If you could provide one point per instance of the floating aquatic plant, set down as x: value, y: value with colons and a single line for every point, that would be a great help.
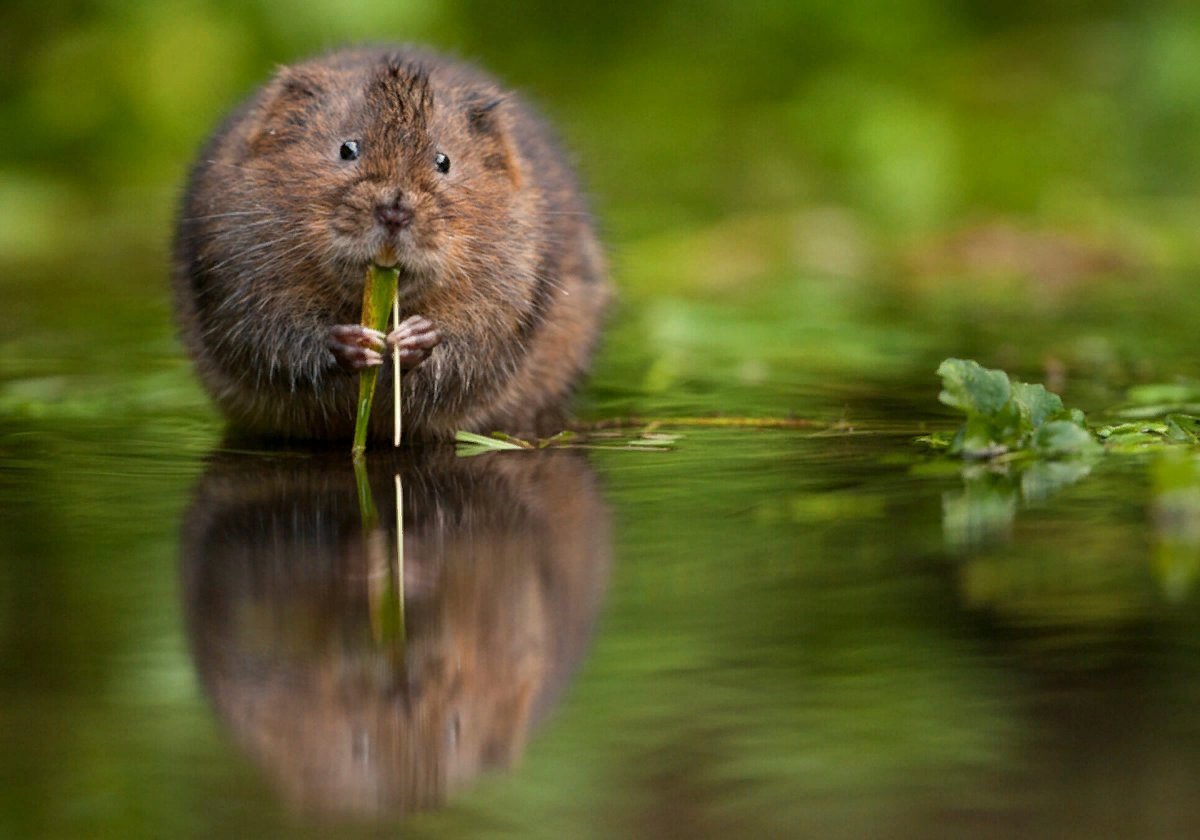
x: 1005, y: 417
x: 1008, y: 419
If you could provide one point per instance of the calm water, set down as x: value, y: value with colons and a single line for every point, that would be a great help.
x: 760, y: 633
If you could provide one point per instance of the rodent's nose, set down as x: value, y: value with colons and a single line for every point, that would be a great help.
x: 395, y: 216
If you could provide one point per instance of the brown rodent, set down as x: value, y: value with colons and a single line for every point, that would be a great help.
x: 393, y: 156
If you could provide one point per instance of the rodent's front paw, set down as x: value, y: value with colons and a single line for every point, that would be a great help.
x: 356, y: 347
x: 415, y: 337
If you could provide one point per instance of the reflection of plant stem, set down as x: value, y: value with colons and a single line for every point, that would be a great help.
x: 369, y: 516
x: 366, y: 504
x: 385, y: 579
x: 396, y: 387
x: 401, y: 631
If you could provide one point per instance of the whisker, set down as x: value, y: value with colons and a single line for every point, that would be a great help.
x: 252, y: 249
x: 256, y: 212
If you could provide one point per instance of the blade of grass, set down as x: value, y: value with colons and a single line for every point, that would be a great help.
x: 484, y: 441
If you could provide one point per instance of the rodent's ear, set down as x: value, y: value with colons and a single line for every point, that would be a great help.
x: 485, y: 118
x: 287, y: 105
x: 481, y: 114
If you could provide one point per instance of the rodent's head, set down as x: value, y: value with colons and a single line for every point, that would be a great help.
x: 385, y: 158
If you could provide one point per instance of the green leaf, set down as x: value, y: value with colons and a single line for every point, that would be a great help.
x: 1035, y: 404
x: 972, y: 388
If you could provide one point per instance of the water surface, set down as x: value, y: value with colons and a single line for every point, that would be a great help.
x: 762, y: 632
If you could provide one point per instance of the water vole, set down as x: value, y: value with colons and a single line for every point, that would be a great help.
x: 401, y: 157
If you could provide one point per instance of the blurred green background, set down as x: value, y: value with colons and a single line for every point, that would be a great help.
x: 800, y: 193
x: 912, y: 116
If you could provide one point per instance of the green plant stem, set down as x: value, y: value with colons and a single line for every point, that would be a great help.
x: 379, y: 292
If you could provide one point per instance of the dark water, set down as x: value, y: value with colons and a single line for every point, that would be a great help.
x: 760, y: 633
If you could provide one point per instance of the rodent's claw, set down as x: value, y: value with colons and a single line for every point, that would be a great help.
x: 355, y: 347
x: 358, y: 336
x: 415, y: 338
x: 410, y: 325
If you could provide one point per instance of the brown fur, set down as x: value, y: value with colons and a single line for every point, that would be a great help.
x: 276, y: 233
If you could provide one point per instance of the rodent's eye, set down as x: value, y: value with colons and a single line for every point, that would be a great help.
x: 349, y: 150
x: 442, y: 163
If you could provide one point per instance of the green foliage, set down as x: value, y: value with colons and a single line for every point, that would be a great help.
x: 1148, y: 435
x: 1016, y: 419
x: 911, y: 113
x: 1005, y: 416
x: 1035, y: 448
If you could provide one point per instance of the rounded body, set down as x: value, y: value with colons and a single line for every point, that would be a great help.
x: 400, y: 157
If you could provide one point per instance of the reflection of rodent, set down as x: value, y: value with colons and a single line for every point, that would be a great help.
x: 397, y: 157
x: 505, y: 565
